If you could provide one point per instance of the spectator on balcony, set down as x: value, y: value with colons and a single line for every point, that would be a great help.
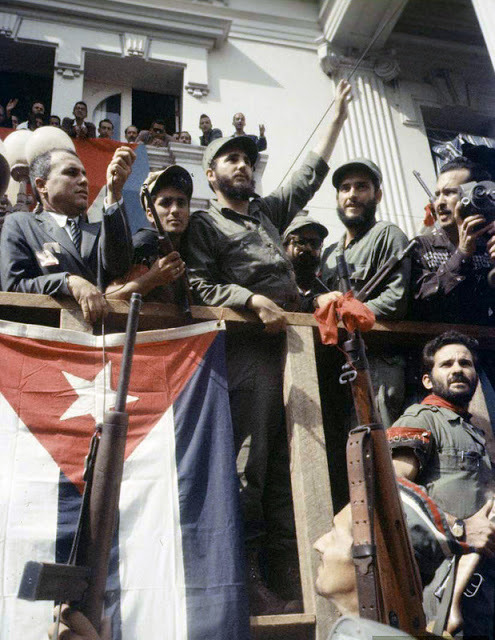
x: 239, y: 122
x: 366, y: 245
x: 185, y: 137
x: 54, y: 250
x: 303, y: 240
x: 14, y: 120
x: 157, y: 135
x: 209, y: 134
x: 54, y: 121
x: 235, y: 258
x: 153, y: 274
x: 78, y: 127
x: 6, y: 114
x: 35, y: 121
x: 450, y: 264
x: 37, y: 109
x: 131, y: 133
x: 105, y: 129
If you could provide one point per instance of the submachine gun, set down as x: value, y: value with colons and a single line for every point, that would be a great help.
x: 181, y: 286
x: 82, y: 581
x: 388, y: 582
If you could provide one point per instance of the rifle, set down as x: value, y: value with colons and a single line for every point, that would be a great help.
x: 388, y: 582
x: 83, y: 579
x: 165, y: 245
x: 430, y: 195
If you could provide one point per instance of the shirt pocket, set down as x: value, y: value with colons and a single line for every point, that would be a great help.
x: 360, y: 276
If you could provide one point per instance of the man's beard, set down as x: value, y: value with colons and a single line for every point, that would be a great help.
x: 306, y: 263
x: 361, y: 221
x: 459, y: 398
x: 233, y: 191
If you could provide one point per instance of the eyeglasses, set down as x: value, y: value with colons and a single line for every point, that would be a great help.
x: 314, y: 243
x: 158, y: 130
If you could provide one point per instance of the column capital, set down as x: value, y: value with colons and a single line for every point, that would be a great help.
x: 334, y: 62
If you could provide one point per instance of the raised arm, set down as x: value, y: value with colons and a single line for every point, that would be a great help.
x: 326, y: 144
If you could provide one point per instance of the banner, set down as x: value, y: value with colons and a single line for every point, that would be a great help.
x: 177, y: 566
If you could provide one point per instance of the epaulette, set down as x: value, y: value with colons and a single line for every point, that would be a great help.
x: 416, y: 409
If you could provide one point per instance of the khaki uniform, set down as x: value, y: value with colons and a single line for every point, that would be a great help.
x: 364, y: 255
x: 455, y: 470
x: 454, y: 463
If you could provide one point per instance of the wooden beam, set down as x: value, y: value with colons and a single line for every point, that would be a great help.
x: 298, y: 626
x: 308, y: 468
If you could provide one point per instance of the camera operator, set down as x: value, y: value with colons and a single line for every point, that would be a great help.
x: 450, y: 264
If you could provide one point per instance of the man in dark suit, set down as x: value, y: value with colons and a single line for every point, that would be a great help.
x: 54, y: 250
x: 77, y: 127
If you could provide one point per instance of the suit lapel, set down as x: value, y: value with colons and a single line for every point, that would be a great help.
x: 51, y: 228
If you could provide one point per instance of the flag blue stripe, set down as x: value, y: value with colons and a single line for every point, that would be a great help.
x: 216, y: 598
x: 140, y: 169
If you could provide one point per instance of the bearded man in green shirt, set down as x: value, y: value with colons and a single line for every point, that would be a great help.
x: 367, y: 244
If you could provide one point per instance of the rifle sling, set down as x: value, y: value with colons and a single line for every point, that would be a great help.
x: 360, y: 468
x: 83, y: 516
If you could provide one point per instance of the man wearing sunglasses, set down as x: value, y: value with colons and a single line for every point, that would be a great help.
x: 157, y: 135
x: 303, y: 240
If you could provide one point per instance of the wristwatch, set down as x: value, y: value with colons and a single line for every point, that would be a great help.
x: 458, y: 529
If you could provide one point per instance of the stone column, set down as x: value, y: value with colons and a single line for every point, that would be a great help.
x: 370, y: 132
x: 486, y: 17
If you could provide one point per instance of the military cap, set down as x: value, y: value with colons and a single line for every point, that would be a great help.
x: 301, y: 221
x: 357, y: 163
x: 220, y: 145
x: 173, y: 174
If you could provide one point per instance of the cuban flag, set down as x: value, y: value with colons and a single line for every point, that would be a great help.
x: 177, y: 567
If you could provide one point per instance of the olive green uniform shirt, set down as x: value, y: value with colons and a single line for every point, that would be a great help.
x: 230, y: 256
x: 364, y: 255
x: 453, y: 461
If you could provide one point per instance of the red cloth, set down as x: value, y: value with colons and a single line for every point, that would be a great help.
x: 353, y: 313
x: 429, y: 219
x: 437, y: 401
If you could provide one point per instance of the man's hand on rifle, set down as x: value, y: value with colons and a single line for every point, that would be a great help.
x: 326, y: 298
x: 89, y: 298
x: 118, y: 171
x: 270, y: 314
x: 167, y: 269
x: 75, y: 626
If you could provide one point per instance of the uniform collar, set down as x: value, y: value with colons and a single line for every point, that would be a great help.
x: 437, y: 401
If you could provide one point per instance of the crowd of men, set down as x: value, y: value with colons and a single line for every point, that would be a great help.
x: 265, y: 255
x: 156, y: 135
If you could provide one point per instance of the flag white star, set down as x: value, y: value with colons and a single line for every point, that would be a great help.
x: 94, y: 396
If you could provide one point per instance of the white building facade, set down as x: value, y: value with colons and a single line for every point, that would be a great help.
x: 430, y: 65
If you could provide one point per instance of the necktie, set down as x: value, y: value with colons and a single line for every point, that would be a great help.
x: 75, y: 232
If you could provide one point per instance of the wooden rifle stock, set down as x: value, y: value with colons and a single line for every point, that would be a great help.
x: 84, y: 582
x: 165, y: 247
x: 389, y: 586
